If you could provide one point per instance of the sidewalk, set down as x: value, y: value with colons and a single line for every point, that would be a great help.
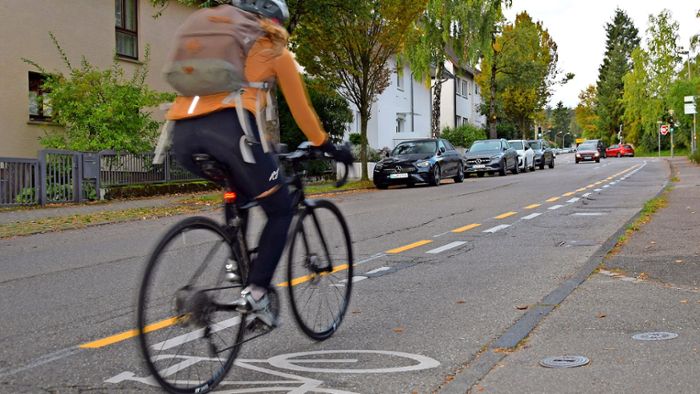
x: 650, y: 285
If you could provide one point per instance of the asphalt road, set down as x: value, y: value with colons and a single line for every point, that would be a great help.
x: 419, y: 314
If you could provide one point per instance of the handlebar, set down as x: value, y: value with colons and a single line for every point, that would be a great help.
x: 306, y: 152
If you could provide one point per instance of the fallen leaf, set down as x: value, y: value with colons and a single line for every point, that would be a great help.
x: 679, y: 261
x: 684, y: 301
x: 479, y: 388
x: 643, y: 276
x: 652, y: 242
x: 521, y: 307
x: 601, y: 315
x: 461, y: 302
x: 398, y: 330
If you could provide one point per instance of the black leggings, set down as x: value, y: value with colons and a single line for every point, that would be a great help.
x: 220, y: 135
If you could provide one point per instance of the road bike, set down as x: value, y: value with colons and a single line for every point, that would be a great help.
x: 185, y: 311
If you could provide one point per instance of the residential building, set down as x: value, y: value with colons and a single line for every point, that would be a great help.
x: 101, y: 31
x: 401, y: 112
x: 461, y: 98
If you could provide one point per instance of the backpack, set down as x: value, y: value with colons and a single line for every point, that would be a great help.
x: 210, y: 51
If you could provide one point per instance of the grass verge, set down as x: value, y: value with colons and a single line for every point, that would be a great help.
x: 649, y: 209
x: 187, y: 205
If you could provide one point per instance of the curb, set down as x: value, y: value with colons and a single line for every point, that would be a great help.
x: 481, y: 364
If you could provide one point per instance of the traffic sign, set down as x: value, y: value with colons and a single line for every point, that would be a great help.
x: 663, y: 129
x: 689, y: 105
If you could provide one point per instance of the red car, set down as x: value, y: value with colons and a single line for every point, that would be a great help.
x: 620, y: 150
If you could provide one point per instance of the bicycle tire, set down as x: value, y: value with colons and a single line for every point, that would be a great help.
x: 188, y: 327
x: 303, y: 277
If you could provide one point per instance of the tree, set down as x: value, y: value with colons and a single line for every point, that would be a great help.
x: 332, y: 109
x: 526, y: 70
x: 622, y: 38
x: 100, y: 109
x: 562, y: 118
x: 585, y: 113
x: 455, y: 30
x: 349, y: 46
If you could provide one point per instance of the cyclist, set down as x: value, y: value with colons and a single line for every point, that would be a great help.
x: 210, y: 124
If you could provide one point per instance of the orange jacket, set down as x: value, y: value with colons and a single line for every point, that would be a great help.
x: 261, y: 66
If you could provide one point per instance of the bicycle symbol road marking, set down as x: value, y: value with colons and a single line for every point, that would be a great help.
x: 291, y: 383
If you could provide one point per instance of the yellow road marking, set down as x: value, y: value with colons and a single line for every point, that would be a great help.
x: 589, y: 186
x: 581, y: 189
x: 307, y: 278
x: 598, y: 183
x: 466, y: 228
x: 408, y: 247
x: 533, y: 206
x: 609, y: 178
x: 505, y: 215
x: 128, y: 334
x: 568, y: 194
x: 552, y: 199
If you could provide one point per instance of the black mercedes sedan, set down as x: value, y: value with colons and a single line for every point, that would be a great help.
x: 420, y: 161
x: 491, y: 156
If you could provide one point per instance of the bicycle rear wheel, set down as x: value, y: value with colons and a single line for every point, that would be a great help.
x: 319, y: 271
x: 188, y: 343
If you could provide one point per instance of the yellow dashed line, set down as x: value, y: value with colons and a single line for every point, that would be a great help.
x: 408, y: 247
x: 552, y: 199
x: 569, y: 194
x: 505, y: 215
x: 581, y: 189
x: 589, y: 186
x: 128, y: 334
x: 466, y: 228
x: 533, y: 206
x: 307, y: 278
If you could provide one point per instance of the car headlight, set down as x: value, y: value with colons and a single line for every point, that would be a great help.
x: 496, y: 157
x: 423, y: 164
x: 578, y: 155
x: 597, y: 154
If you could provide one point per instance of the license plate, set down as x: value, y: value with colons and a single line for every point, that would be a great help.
x: 398, y: 176
x: 479, y: 165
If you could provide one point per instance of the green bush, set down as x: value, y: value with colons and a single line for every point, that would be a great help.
x: 373, y: 155
x: 695, y: 157
x: 355, y: 138
x: 463, y: 135
x: 27, y: 196
x: 155, y: 189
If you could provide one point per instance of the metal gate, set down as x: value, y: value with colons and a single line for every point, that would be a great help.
x: 61, y: 173
x: 19, y: 181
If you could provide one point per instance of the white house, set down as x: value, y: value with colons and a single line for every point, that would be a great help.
x: 460, y: 98
x: 401, y: 112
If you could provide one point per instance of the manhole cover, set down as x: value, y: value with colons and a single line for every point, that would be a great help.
x: 655, y: 336
x: 564, y: 361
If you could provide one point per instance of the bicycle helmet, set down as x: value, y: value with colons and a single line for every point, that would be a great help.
x: 273, y: 9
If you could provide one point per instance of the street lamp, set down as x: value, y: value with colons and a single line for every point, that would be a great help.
x: 693, y: 137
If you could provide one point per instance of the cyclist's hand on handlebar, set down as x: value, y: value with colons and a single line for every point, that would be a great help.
x: 340, y: 153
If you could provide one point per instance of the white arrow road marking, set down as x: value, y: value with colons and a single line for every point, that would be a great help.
x: 586, y: 195
x: 449, y: 246
x: 497, y: 228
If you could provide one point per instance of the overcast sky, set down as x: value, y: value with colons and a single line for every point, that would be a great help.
x: 578, y: 28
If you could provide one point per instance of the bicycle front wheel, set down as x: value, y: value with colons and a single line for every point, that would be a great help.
x: 320, y: 266
x: 188, y: 340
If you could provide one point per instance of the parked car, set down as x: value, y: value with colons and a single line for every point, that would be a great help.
x: 420, y: 161
x: 600, y: 147
x: 587, y: 151
x: 619, y: 150
x: 543, y: 153
x: 526, y: 156
x: 490, y: 156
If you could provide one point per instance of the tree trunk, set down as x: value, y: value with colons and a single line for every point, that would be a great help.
x: 492, y: 98
x: 437, y: 95
x: 364, y: 118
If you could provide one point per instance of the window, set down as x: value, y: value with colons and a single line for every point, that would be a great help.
x: 399, y: 80
x: 448, y: 145
x: 126, y: 28
x: 400, y: 123
x: 39, y: 106
x: 465, y: 87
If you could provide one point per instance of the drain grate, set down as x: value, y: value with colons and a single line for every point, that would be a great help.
x: 655, y: 336
x: 564, y: 361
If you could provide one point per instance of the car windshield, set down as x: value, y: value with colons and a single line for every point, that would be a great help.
x: 407, y: 148
x: 480, y: 146
x: 517, y: 145
x: 535, y: 144
x: 587, y: 147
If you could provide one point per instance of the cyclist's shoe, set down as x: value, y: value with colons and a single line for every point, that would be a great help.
x: 263, y: 309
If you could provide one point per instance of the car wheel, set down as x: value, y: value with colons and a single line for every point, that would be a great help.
x: 435, y: 177
x: 460, y: 175
x: 481, y: 174
x: 525, y: 167
x: 516, y: 168
x: 597, y: 160
x: 542, y: 163
x: 534, y: 166
x: 551, y: 163
x: 503, y: 170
